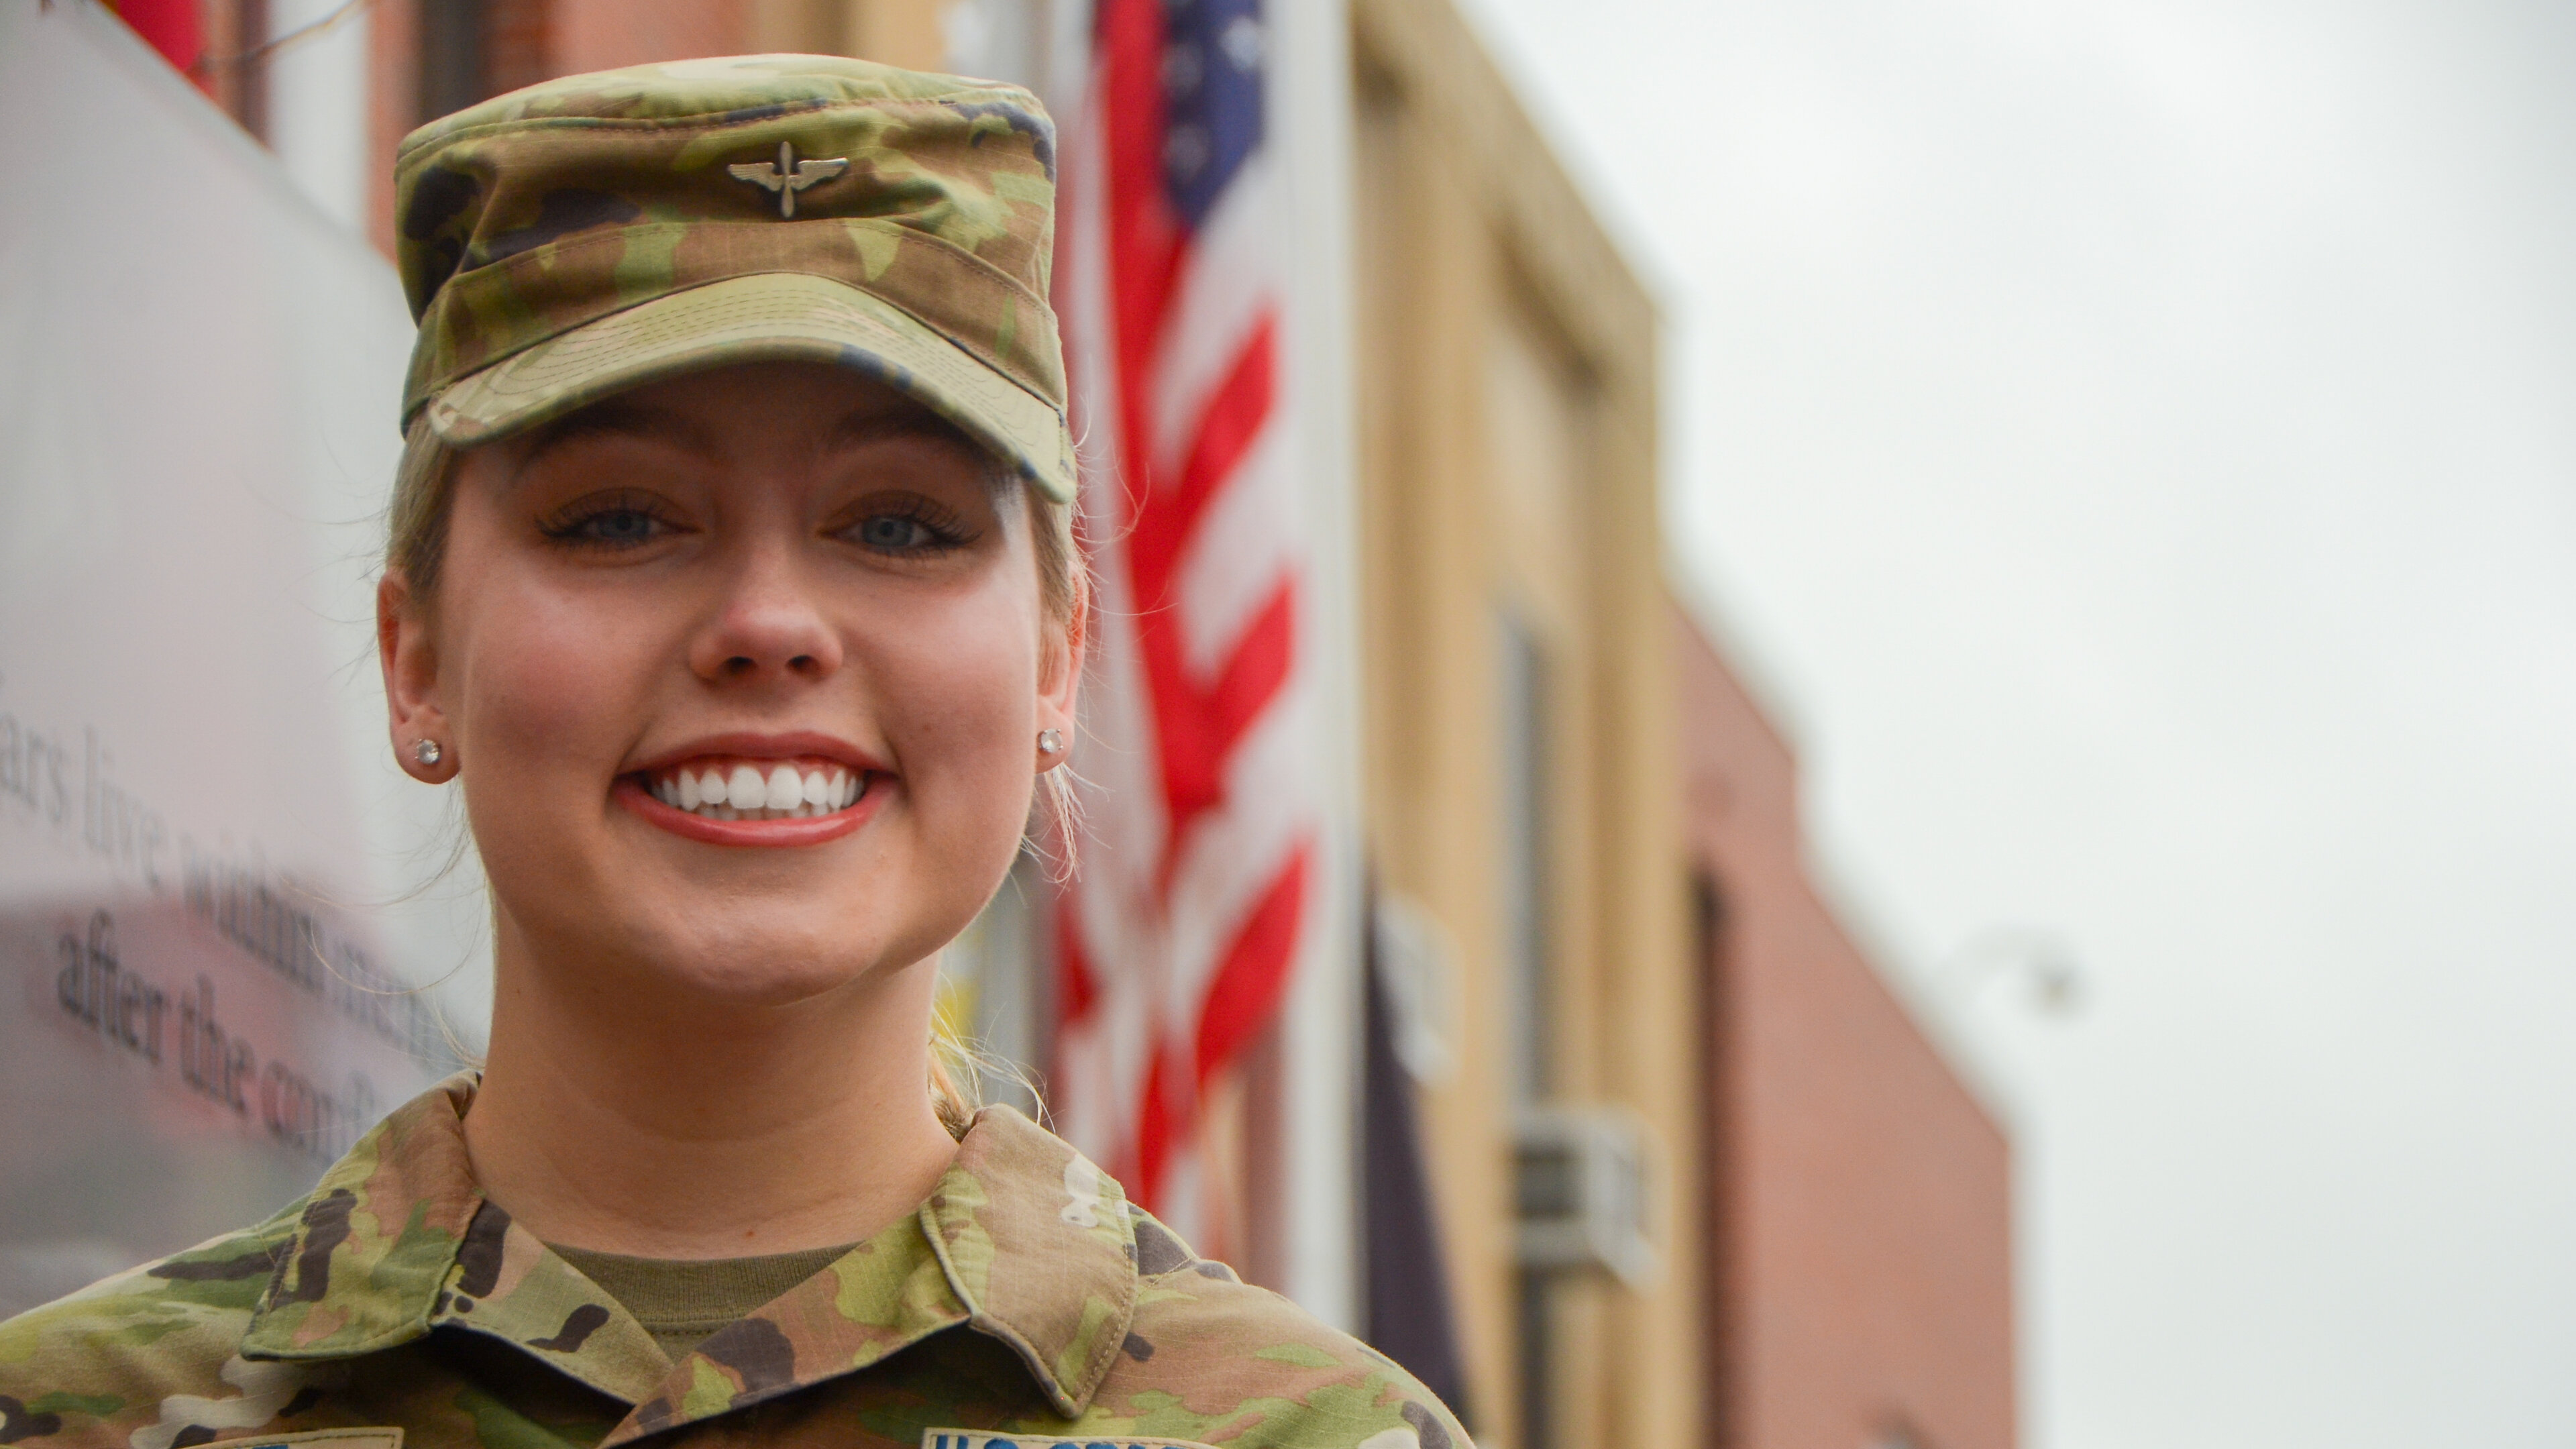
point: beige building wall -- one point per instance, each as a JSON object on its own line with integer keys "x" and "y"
{"x": 1507, "y": 385}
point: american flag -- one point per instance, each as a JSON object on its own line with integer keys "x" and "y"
{"x": 1198, "y": 872}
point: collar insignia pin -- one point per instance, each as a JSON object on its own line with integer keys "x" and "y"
{"x": 787, "y": 175}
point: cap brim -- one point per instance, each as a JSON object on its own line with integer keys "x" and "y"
{"x": 768, "y": 317}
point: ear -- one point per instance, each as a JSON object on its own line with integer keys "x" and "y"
{"x": 1060, "y": 675}
{"x": 410, "y": 661}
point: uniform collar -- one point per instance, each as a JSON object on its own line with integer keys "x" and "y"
{"x": 1023, "y": 1240}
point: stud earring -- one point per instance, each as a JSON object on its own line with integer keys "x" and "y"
{"x": 427, "y": 752}
{"x": 1050, "y": 742}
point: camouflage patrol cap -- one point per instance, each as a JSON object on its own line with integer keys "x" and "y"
{"x": 580, "y": 237}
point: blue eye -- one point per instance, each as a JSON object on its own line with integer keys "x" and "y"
{"x": 612, "y": 521}
{"x": 903, "y": 524}
{"x": 618, "y": 527}
{"x": 894, "y": 533}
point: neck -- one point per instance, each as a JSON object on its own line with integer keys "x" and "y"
{"x": 691, "y": 1129}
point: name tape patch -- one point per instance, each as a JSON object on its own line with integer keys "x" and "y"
{"x": 980, "y": 1440}
{"x": 384, "y": 1438}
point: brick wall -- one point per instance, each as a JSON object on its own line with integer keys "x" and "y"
{"x": 1861, "y": 1274}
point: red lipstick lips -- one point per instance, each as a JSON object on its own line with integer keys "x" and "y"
{"x": 747, "y": 789}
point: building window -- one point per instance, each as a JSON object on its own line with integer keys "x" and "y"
{"x": 1526, "y": 927}
{"x": 452, "y": 62}
{"x": 473, "y": 50}
{"x": 1709, "y": 931}
{"x": 1528, "y": 981}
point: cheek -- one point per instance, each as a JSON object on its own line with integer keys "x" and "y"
{"x": 960, "y": 700}
{"x": 544, "y": 677}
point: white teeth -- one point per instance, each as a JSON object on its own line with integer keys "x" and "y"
{"x": 746, "y": 792}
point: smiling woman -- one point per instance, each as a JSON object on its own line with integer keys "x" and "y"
{"x": 673, "y": 615}
{"x": 731, "y": 577}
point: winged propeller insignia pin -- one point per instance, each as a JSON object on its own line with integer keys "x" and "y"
{"x": 787, "y": 175}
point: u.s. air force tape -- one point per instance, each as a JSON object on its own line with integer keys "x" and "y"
{"x": 980, "y": 1440}
{"x": 385, "y": 1438}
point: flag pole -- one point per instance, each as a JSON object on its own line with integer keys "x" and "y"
{"x": 1320, "y": 1027}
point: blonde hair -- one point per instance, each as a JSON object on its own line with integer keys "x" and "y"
{"x": 416, "y": 546}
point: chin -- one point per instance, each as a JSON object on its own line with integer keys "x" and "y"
{"x": 706, "y": 952}
{"x": 778, "y": 964}
{"x": 765, "y": 983}
{"x": 769, "y": 937}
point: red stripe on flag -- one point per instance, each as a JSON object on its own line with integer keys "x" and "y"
{"x": 1197, "y": 729}
{"x": 1224, "y": 431}
{"x": 1145, "y": 238}
{"x": 1256, "y": 672}
{"x": 1161, "y": 1119}
{"x": 1247, "y": 987}
{"x": 1074, "y": 983}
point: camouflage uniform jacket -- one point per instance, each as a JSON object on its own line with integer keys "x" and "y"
{"x": 1026, "y": 1297}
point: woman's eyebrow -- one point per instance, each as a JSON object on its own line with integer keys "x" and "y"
{"x": 619, "y": 419}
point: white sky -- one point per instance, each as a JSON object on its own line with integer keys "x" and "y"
{"x": 2137, "y": 441}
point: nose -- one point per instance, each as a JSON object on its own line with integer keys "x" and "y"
{"x": 765, "y": 626}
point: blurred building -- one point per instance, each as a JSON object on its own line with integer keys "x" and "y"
{"x": 1517, "y": 714}
{"x": 1859, "y": 1277}
{"x": 1651, "y": 1152}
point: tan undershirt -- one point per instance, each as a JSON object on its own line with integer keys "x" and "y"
{"x": 680, "y": 1301}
